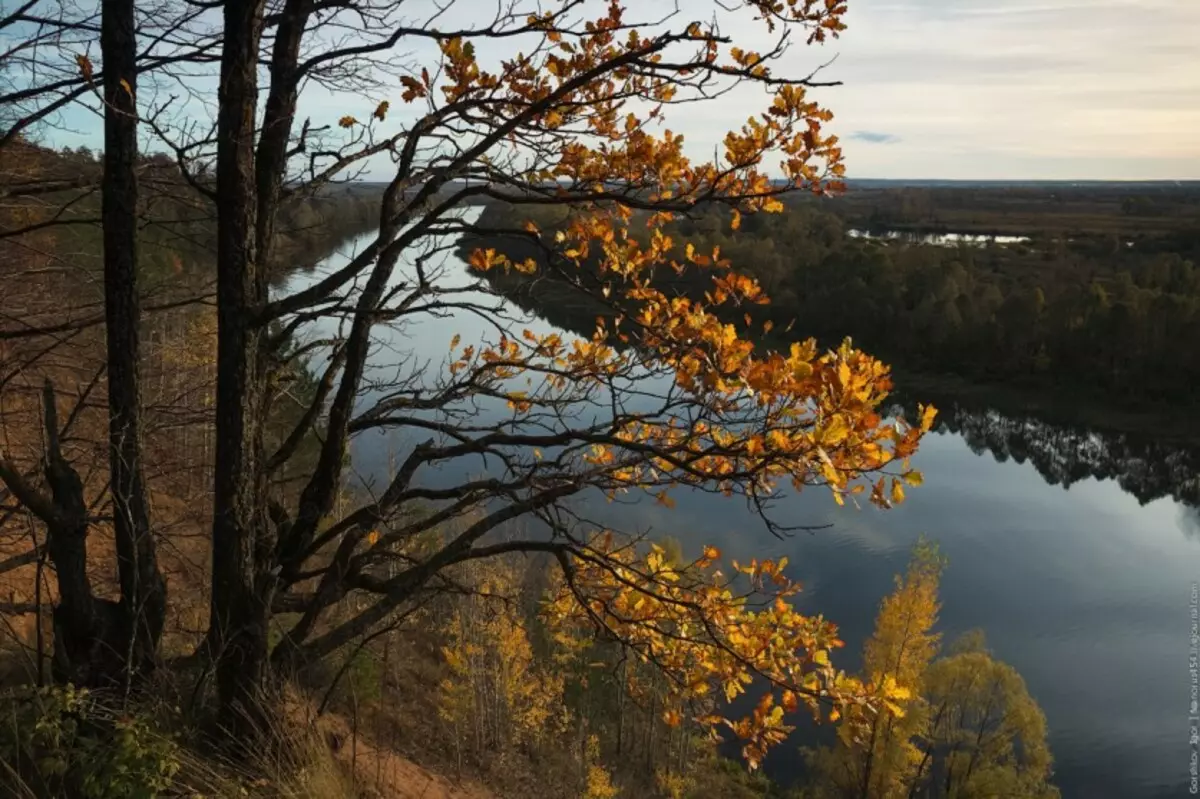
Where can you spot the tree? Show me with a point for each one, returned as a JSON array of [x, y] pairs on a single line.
[[969, 730], [553, 124], [986, 736], [96, 642], [884, 762], [666, 398], [143, 591]]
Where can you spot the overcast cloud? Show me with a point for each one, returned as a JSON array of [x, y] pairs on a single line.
[[1009, 89], [1020, 88], [994, 89]]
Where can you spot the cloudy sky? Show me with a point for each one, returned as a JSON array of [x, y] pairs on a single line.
[[1019, 88], [962, 89]]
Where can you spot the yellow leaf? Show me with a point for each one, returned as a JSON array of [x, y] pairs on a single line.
[[843, 372], [372, 538], [835, 432], [897, 491]]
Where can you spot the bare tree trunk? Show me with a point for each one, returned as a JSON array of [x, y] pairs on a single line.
[[87, 636], [143, 591], [249, 186], [240, 600]]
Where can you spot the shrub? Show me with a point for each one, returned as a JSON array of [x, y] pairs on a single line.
[[66, 741]]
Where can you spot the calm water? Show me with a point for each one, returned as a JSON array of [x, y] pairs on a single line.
[[942, 239], [1074, 550]]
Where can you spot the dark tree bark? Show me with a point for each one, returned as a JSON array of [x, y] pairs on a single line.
[[249, 188], [143, 591], [89, 633], [239, 598]]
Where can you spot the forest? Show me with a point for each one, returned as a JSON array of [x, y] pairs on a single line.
[[1099, 310], [201, 595]]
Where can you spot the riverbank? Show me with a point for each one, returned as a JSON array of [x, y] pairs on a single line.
[[1165, 422]]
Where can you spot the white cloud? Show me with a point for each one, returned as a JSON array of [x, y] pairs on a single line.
[[964, 88], [1022, 89]]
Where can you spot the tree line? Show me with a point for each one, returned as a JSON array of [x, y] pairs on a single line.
[[1090, 314]]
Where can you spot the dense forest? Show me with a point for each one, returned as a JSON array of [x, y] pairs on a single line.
[[1101, 314]]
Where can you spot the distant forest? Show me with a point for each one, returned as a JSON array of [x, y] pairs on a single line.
[[178, 223], [1103, 297]]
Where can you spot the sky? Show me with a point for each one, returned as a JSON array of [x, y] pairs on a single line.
[[1017, 89], [963, 89]]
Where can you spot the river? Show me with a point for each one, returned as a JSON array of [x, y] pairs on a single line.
[[1075, 550]]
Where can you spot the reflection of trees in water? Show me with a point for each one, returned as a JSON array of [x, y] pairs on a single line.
[[1063, 455], [1189, 522]]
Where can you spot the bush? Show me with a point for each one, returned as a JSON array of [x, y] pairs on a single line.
[[64, 741]]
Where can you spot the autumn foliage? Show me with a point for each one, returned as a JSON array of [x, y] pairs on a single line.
[[664, 398]]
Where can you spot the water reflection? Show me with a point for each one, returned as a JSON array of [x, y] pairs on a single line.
[[940, 239], [1083, 590], [1147, 468]]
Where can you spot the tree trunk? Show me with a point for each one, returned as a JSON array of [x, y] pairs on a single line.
[[88, 632], [143, 591], [240, 586]]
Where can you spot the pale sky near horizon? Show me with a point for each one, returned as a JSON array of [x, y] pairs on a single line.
[[966, 89], [1020, 88]]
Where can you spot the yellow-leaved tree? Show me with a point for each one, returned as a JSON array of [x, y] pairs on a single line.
[[969, 728], [671, 397], [882, 763], [532, 103], [986, 735], [495, 695]]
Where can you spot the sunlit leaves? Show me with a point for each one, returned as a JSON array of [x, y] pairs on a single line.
[[413, 89], [495, 684], [711, 639], [584, 108], [85, 66], [884, 762]]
